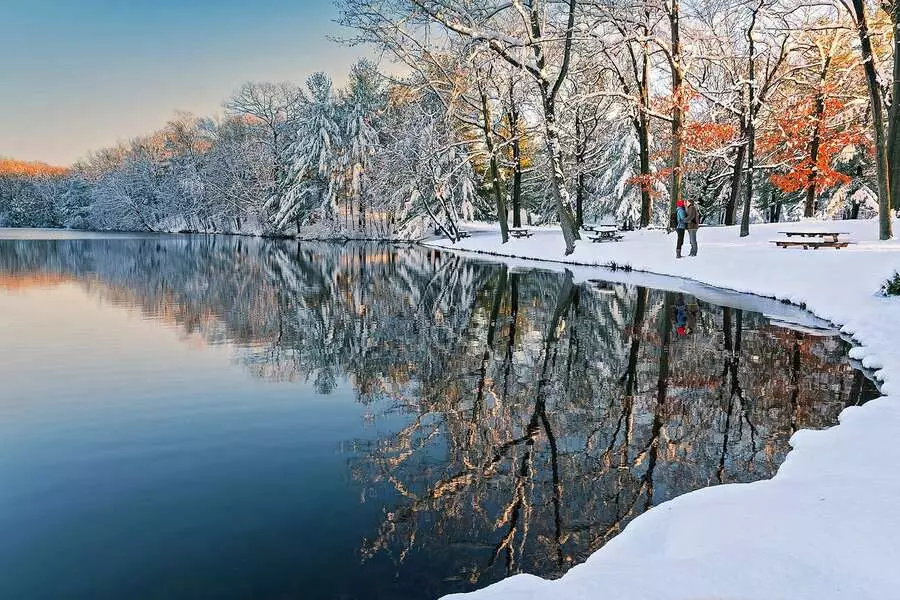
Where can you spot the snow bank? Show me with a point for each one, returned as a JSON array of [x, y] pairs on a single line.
[[828, 524]]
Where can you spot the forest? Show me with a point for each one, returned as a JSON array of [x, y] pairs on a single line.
[[521, 112]]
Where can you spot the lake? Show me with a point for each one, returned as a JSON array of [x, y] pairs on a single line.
[[221, 417]]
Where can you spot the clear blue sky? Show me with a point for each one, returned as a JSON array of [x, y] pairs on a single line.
[[76, 75]]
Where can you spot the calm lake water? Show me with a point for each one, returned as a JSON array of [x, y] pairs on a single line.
[[229, 418]]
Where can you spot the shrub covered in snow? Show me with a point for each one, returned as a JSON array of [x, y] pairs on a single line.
[[891, 287]]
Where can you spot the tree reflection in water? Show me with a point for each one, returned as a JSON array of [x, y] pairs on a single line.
[[541, 415]]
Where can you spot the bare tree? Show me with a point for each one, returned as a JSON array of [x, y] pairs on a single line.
[[276, 106], [533, 37]]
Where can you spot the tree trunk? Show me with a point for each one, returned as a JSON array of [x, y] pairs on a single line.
[[551, 127], [362, 213], [517, 186], [499, 199], [893, 141], [517, 160], [809, 209], [646, 200], [677, 111], [579, 163], [579, 201], [881, 153], [750, 124], [748, 200], [737, 176], [643, 130], [558, 182]]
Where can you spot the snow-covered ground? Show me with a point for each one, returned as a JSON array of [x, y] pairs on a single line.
[[828, 524]]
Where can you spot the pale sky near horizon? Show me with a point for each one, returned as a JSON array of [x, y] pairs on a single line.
[[79, 75]]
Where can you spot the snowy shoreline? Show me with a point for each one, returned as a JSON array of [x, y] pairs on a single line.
[[826, 525]]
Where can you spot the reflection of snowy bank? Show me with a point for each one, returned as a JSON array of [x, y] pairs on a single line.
[[826, 525], [781, 312]]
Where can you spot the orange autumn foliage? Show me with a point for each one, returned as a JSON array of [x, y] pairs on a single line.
[[19, 168], [666, 104], [790, 141], [647, 183], [702, 136]]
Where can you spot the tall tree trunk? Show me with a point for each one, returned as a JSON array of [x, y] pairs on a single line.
[[643, 128], [750, 125], [737, 176], [644, 150], [517, 159], [558, 181], [677, 110], [579, 201], [881, 152], [362, 212], [893, 141], [579, 163], [748, 191], [499, 199], [809, 208], [551, 127]]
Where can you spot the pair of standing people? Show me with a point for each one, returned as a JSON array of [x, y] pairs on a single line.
[[686, 219]]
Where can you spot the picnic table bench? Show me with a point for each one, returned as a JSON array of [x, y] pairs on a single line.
[[518, 232], [826, 239], [604, 234], [463, 234]]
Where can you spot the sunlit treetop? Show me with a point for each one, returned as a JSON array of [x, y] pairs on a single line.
[[19, 168]]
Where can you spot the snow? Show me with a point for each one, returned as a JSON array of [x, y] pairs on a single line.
[[827, 525]]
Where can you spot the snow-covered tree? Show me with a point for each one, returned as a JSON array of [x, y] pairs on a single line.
[[309, 191], [361, 110]]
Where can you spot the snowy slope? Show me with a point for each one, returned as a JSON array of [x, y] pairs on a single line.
[[828, 524]]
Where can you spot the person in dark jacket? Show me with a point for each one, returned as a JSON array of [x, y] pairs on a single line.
[[692, 221], [680, 226]]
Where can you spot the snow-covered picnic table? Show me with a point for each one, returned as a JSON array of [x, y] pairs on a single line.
[[808, 242], [605, 235]]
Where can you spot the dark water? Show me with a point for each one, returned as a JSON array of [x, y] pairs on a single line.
[[192, 417]]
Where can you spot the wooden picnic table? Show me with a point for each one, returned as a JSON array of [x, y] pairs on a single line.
[[519, 232], [834, 235], [808, 240], [610, 234]]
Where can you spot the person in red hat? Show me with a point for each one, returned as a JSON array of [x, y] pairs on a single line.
[[680, 226]]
